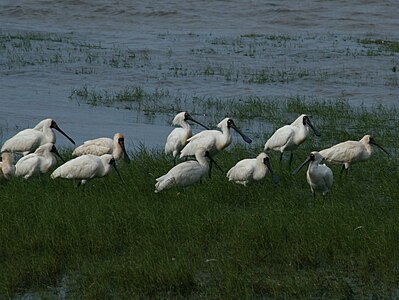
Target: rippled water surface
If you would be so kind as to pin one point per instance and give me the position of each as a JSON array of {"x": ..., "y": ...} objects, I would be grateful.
[{"x": 188, "y": 49}]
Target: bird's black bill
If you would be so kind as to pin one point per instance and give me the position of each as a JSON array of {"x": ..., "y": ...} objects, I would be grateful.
[
  {"x": 55, "y": 126},
  {"x": 55, "y": 151},
  {"x": 315, "y": 130},
  {"x": 116, "y": 169},
  {"x": 275, "y": 178},
  {"x": 244, "y": 137},
  {"x": 125, "y": 156},
  {"x": 296, "y": 171},
  {"x": 195, "y": 121},
  {"x": 374, "y": 143}
]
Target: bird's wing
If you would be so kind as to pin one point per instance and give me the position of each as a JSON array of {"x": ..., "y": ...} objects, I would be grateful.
[
  {"x": 27, "y": 164},
  {"x": 328, "y": 177},
  {"x": 83, "y": 167},
  {"x": 205, "y": 141},
  {"x": 175, "y": 141},
  {"x": 242, "y": 171},
  {"x": 341, "y": 153},
  {"x": 25, "y": 140},
  {"x": 280, "y": 138},
  {"x": 97, "y": 147}
]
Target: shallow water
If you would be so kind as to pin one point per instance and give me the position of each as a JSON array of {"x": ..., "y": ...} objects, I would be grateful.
[{"x": 190, "y": 48}]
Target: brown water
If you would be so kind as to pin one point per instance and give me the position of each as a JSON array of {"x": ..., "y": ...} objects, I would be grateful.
[{"x": 190, "y": 48}]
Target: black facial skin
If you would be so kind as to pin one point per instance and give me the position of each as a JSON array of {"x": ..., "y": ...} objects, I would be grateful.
[
  {"x": 230, "y": 124},
  {"x": 55, "y": 126}
]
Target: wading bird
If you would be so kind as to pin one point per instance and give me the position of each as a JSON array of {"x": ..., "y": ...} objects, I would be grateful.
[
  {"x": 289, "y": 137},
  {"x": 186, "y": 173},
  {"x": 350, "y": 152},
  {"x": 7, "y": 168},
  {"x": 177, "y": 139},
  {"x": 86, "y": 167},
  {"x": 37, "y": 163},
  {"x": 101, "y": 146},
  {"x": 319, "y": 176},
  {"x": 251, "y": 169},
  {"x": 212, "y": 141},
  {"x": 28, "y": 140}
]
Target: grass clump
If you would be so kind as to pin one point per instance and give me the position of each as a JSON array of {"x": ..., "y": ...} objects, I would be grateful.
[
  {"x": 215, "y": 239},
  {"x": 386, "y": 45}
]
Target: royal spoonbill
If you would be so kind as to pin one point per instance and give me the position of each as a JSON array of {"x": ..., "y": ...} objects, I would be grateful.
[
  {"x": 177, "y": 139},
  {"x": 251, "y": 169},
  {"x": 102, "y": 146},
  {"x": 28, "y": 140},
  {"x": 289, "y": 137},
  {"x": 319, "y": 176},
  {"x": 213, "y": 141},
  {"x": 186, "y": 173},
  {"x": 86, "y": 167},
  {"x": 37, "y": 163},
  {"x": 7, "y": 168},
  {"x": 350, "y": 152}
]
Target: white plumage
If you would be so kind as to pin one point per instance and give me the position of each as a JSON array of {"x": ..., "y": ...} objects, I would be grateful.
[
  {"x": 350, "y": 152},
  {"x": 289, "y": 137},
  {"x": 28, "y": 140},
  {"x": 177, "y": 139},
  {"x": 318, "y": 176},
  {"x": 186, "y": 173},
  {"x": 251, "y": 169},
  {"x": 101, "y": 146},
  {"x": 37, "y": 163},
  {"x": 213, "y": 141},
  {"x": 7, "y": 168},
  {"x": 86, "y": 167}
]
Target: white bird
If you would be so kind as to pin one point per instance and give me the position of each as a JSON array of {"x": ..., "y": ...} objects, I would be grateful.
[
  {"x": 177, "y": 139},
  {"x": 28, "y": 140},
  {"x": 318, "y": 176},
  {"x": 186, "y": 173},
  {"x": 289, "y": 137},
  {"x": 7, "y": 168},
  {"x": 102, "y": 146},
  {"x": 86, "y": 167},
  {"x": 213, "y": 141},
  {"x": 251, "y": 169},
  {"x": 350, "y": 152},
  {"x": 37, "y": 163}
]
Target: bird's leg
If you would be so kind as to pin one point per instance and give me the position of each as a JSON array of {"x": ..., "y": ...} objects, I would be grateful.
[
  {"x": 174, "y": 161},
  {"x": 290, "y": 163},
  {"x": 210, "y": 169},
  {"x": 281, "y": 157},
  {"x": 314, "y": 195},
  {"x": 342, "y": 169}
]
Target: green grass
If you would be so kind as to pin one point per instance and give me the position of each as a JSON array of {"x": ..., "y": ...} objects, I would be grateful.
[{"x": 214, "y": 239}]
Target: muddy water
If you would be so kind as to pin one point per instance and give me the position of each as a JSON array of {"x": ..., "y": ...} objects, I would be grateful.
[{"x": 190, "y": 48}]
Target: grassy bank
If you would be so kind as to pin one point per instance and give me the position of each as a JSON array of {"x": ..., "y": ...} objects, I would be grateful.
[{"x": 215, "y": 239}]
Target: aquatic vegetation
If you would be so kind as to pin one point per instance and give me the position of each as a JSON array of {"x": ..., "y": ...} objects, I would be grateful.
[{"x": 386, "y": 45}]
